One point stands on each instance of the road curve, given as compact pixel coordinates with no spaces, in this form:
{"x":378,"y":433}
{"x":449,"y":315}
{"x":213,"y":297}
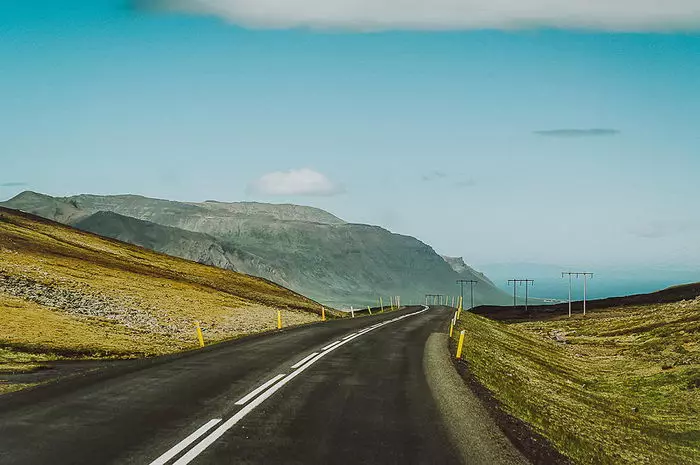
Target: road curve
{"x":347,"y":391}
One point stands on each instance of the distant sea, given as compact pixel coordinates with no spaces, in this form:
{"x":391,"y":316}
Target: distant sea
{"x":597,"y":288}
{"x":606,"y":283}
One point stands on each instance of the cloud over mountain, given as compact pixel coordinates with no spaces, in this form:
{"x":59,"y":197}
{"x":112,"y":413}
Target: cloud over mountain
{"x":364,"y":15}
{"x":303,"y":181}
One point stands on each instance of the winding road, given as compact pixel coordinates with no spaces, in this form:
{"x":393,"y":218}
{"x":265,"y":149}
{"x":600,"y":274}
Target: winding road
{"x":347,"y":391}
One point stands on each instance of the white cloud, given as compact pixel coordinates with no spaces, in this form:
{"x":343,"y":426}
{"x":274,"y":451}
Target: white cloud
{"x":658,"y":229}
{"x":294,"y":182}
{"x":570,"y":133}
{"x":617,"y":15}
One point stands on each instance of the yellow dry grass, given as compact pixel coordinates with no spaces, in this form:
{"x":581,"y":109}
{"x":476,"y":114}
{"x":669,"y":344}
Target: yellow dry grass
{"x":167,"y":293}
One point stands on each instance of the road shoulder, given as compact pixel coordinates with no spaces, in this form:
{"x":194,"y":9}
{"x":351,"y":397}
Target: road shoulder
{"x":472,"y":430}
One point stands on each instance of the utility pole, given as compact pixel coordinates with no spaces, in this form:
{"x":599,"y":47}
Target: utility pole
{"x":562,"y":275}
{"x":585,"y":275}
{"x":520,"y":282}
{"x":471,"y":282}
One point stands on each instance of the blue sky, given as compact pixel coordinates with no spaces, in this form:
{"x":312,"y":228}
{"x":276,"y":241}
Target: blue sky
{"x":478,"y":142}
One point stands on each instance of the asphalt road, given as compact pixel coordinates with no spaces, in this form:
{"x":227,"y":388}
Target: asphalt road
{"x":364,"y":400}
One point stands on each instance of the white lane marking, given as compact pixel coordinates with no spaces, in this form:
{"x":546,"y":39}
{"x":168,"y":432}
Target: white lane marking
{"x":259,"y":389}
{"x":231,"y":422}
{"x":180,"y":446}
{"x":331,"y":345}
{"x":304,"y":360}
{"x":346,"y":337}
{"x":221,"y":430}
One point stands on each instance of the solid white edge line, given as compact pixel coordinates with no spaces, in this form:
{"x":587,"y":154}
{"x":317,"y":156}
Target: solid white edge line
{"x":304,"y":360}
{"x":228,"y":424}
{"x":331,"y":345}
{"x":349,"y":336}
{"x":180,"y":446}
{"x":259,"y":389}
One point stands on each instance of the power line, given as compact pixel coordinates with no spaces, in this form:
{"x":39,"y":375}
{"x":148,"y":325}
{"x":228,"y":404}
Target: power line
{"x":585,"y":285}
{"x":520,"y":282}
{"x":471,"y":282}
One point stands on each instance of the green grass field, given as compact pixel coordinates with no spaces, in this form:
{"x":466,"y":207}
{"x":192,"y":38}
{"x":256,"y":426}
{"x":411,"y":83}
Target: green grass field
{"x":149,"y":302}
{"x":619,"y":386}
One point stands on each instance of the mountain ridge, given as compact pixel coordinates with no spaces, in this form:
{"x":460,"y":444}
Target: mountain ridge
{"x":304,"y":248}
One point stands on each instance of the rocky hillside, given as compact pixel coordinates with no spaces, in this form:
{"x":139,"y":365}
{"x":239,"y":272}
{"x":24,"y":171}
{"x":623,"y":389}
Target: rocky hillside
{"x":198,"y":247}
{"x":457,"y":264}
{"x":304,"y":248}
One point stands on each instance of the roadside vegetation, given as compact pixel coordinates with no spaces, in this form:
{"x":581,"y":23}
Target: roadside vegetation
{"x":619,"y":386}
{"x":66,"y":295}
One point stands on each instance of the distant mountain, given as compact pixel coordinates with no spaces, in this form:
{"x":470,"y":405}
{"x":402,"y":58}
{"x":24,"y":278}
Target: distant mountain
{"x":303,"y":248}
{"x":457,"y":264}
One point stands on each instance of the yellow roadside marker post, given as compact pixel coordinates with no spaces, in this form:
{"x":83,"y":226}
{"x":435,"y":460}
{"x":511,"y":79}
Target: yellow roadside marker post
{"x":453,"y":323}
{"x":369,"y":310}
{"x":199,"y":335}
{"x":381,"y":304}
{"x":323,"y":313}
{"x":279,"y":319}
{"x":461,"y":344}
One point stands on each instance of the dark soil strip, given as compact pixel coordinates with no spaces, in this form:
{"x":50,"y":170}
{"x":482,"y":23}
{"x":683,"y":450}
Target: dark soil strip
{"x":534,"y":446}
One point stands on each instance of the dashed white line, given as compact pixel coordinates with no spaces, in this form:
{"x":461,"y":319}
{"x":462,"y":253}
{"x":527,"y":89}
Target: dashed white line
{"x":346,"y":337}
{"x":304,"y":360}
{"x":182,"y":445}
{"x":227,"y":425}
{"x":259,"y":389}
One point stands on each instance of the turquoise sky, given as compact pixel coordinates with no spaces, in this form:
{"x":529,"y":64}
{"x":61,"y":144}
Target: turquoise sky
{"x":577,"y":148}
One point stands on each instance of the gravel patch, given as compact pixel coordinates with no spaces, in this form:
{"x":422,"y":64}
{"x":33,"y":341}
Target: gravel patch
{"x":83,"y":302}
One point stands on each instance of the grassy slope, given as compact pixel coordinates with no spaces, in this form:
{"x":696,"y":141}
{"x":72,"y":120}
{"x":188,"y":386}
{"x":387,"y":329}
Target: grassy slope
{"x":167,"y":293}
{"x":623,"y":389}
